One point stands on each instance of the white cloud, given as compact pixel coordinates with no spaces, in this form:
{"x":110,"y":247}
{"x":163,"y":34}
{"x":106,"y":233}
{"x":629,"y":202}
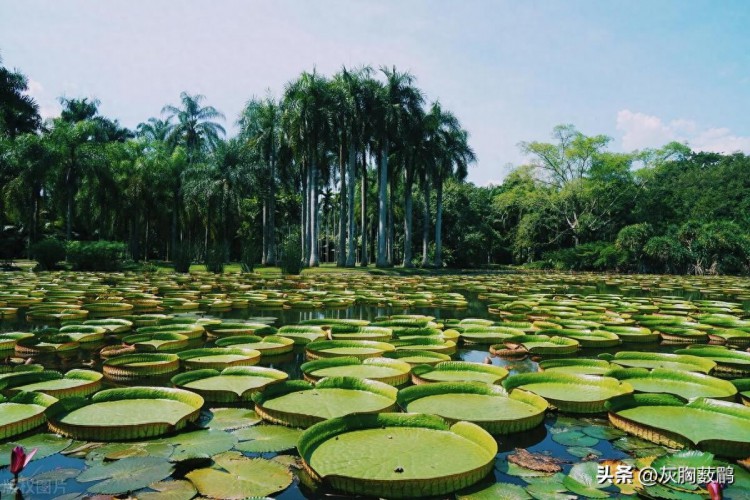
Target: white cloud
{"x":48,"y":107}
{"x":640,"y":131}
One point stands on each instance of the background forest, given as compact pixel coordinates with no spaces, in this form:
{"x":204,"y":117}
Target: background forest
{"x":352,"y":169}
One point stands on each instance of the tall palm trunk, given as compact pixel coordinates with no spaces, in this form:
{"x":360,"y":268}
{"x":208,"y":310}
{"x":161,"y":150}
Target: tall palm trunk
{"x":363,"y":211}
{"x":382,"y":207}
{"x":439,"y":223}
{"x":270,"y":256}
{"x":305,"y":215}
{"x":264,"y":251}
{"x":313,"y":189}
{"x":408,"y":208}
{"x":350,"y":230}
{"x":176,"y":196}
{"x":391,"y":220}
{"x":425,"y":221}
{"x":341,"y":244}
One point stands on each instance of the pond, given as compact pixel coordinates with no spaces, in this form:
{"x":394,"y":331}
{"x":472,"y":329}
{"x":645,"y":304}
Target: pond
{"x":513,"y":321}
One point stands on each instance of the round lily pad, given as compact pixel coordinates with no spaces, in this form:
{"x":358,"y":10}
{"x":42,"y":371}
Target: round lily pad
{"x":687,"y":385}
{"x":219,"y":358}
{"x":488,"y":406}
{"x":161,"y":342}
{"x":127,"y":413}
{"x":458,"y":371}
{"x":397,"y":455}
{"x":271,"y":345}
{"x":266,"y":438}
{"x":125,"y":475}
{"x":130,"y":367}
{"x":23,"y":412}
{"x":569,"y":392}
{"x":240,"y":477}
{"x":232,"y":385}
{"x":361,"y":349}
{"x":300,"y":404}
{"x":389,"y":371}
{"x":75,"y":383}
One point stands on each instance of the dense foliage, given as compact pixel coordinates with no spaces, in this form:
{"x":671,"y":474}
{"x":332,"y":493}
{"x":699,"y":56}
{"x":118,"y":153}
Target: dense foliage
{"x":364,"y":172}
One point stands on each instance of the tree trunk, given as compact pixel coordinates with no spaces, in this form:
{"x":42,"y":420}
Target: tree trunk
{"x":341,"y":245}
{"x":425,"y":221}
{"x":305,"y":232}
{"x":363,"y":210}
{"x":176,"y":193}
{"x":264,"y":250}
{"x":382,"y":260}
{"x":439,"y":223}
{"x":391,"y":221}
{"x":271,"y":247}
{"x":350,"y":230}
{"x":408,"y":217}
{"x":313,"y":188}
{"x":69,"y":215}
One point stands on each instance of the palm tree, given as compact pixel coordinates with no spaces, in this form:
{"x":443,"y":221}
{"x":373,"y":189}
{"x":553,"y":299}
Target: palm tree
{"x":414,"y":151}
{"x":307,"y":121}
{"x":260,"y":128}
{"x":154,"y":129}
{"x":452,"y":158}
{"x":19,"y":113}
{"x":196,"y":130}
{"x":400,"y":99}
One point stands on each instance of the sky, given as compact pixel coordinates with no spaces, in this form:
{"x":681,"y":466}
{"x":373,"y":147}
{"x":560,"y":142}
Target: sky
{"x":643,"y":72}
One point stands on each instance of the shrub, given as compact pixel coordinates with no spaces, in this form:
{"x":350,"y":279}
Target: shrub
{"x":48,"y":253}
{"x":95,"y":255}
{"x":291,"y":255}
{"x":182,"y":257}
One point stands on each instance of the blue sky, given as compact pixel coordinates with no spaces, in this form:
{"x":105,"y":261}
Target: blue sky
{"x":642,"y":72}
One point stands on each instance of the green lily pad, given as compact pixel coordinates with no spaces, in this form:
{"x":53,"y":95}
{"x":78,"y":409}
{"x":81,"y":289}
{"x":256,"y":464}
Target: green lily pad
{"x":498,"y":491}
{"x":607,"y":433}
{"x":227,"y":419}
{"x":169,"y":490}
{"x":583,"y":451}
{"x":47,"y":444}
{"x":241,"y":478}
{"x":574,"y":438}
{"x":200,"y":444}
{"x":582,"y":480}
{"x":128,"y":474}
{"x":267,"y":438}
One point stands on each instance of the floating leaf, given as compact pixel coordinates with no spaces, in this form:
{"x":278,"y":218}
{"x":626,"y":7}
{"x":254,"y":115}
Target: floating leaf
{"x":583,"y":451}
{"x":128,"y":474}
{"x":535,"y":461}
{"x":227,"y":419}
{"x":47,"y":444}
{"x":267,"y":438}
{"x":245,"y":477}
{"x":574,"y":438}
{"x":55,"y":475}
{"x":608,"y":433}
{"x":515,"y":470}
{"x":169,"y":490}
{"x":498,"y":491}
{"x":583,"y":480}
{"x":199,"y":444}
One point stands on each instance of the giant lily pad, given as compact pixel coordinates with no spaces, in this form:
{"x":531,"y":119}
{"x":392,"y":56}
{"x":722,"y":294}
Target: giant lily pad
{"x":633,"y":359}
{"x":237,"y":329}
{"x":687,"y":385}
{"x":8,"y":340}
{"x":389,"y":371}
{"x":302,"y":335}
{"x":23,"y":412}
{"x":717,"y":426}
{"x":591,"y":339}
{"x":361,"y":349}
{"x":570,"y":392}
{"x":488,"y":334}
{"x":162,"y":342}
{"x":729,"y":363}
{"x":84,"y":333}
{"x":418,"y":357}
{"x":272,"y":345}
{"x":434,"y":344}
{"x":536,"y":344}
{"x":397,"y":455}
{"x":127,"y":413}
{"x":219,"y":357}
{"x":374,"y":333}
{"x":46,"y":344}
{"x":267,"y":439}
{"x":299,"y":404}
{"x":743,"y":385}
{"x":75,"y":383}
{"x":458,"y":371}
{"x":581,"y":366}
{"x":633,"y":334}
{"x":488,"y":406}
{"x":138,"y":366}
{"x":231,"y":385}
